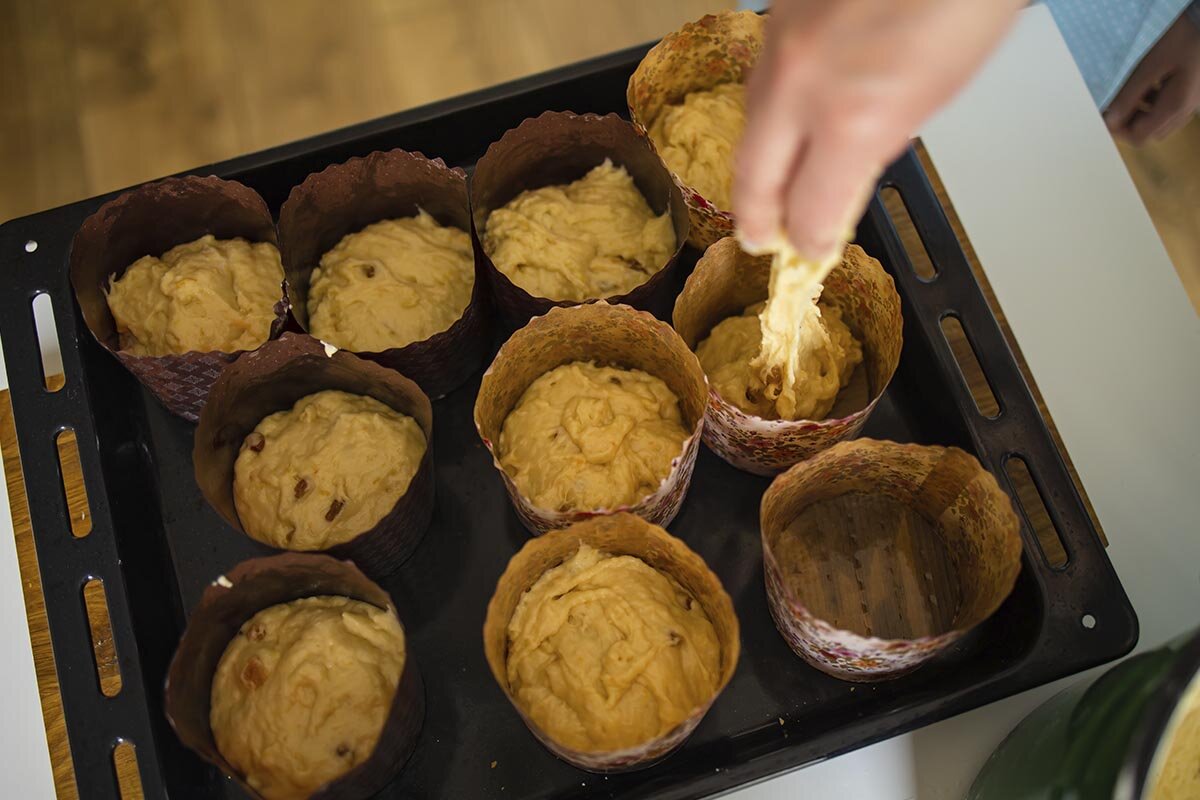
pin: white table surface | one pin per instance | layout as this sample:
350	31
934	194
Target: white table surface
1073	257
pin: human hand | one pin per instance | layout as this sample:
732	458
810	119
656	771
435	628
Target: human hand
835	96
1164	91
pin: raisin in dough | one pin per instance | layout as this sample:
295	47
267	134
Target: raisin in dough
393	283
605	652
302	691
324	471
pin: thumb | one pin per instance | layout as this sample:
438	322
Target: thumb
765	157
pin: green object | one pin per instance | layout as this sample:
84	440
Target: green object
1097	741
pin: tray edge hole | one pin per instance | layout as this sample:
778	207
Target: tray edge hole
910	237
1033	506
969	368
1088	621
125	765
46	330
70	473
104	648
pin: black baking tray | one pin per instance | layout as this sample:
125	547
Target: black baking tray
156	544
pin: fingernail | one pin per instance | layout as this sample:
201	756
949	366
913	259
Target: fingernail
748	243
812	247
750	237
822	250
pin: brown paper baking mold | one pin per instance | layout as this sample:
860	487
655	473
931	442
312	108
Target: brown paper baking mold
620	534
345	198
963	511
725	281
718	48
556	148
149	220
610	335
272	379
237	596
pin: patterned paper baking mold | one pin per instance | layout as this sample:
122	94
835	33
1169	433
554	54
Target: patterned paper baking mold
718	48
232	599
345	198
620	534
948	487
150	220
556	148
614	335
272	379
727	280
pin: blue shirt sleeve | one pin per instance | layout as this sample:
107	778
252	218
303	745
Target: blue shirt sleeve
1109	38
